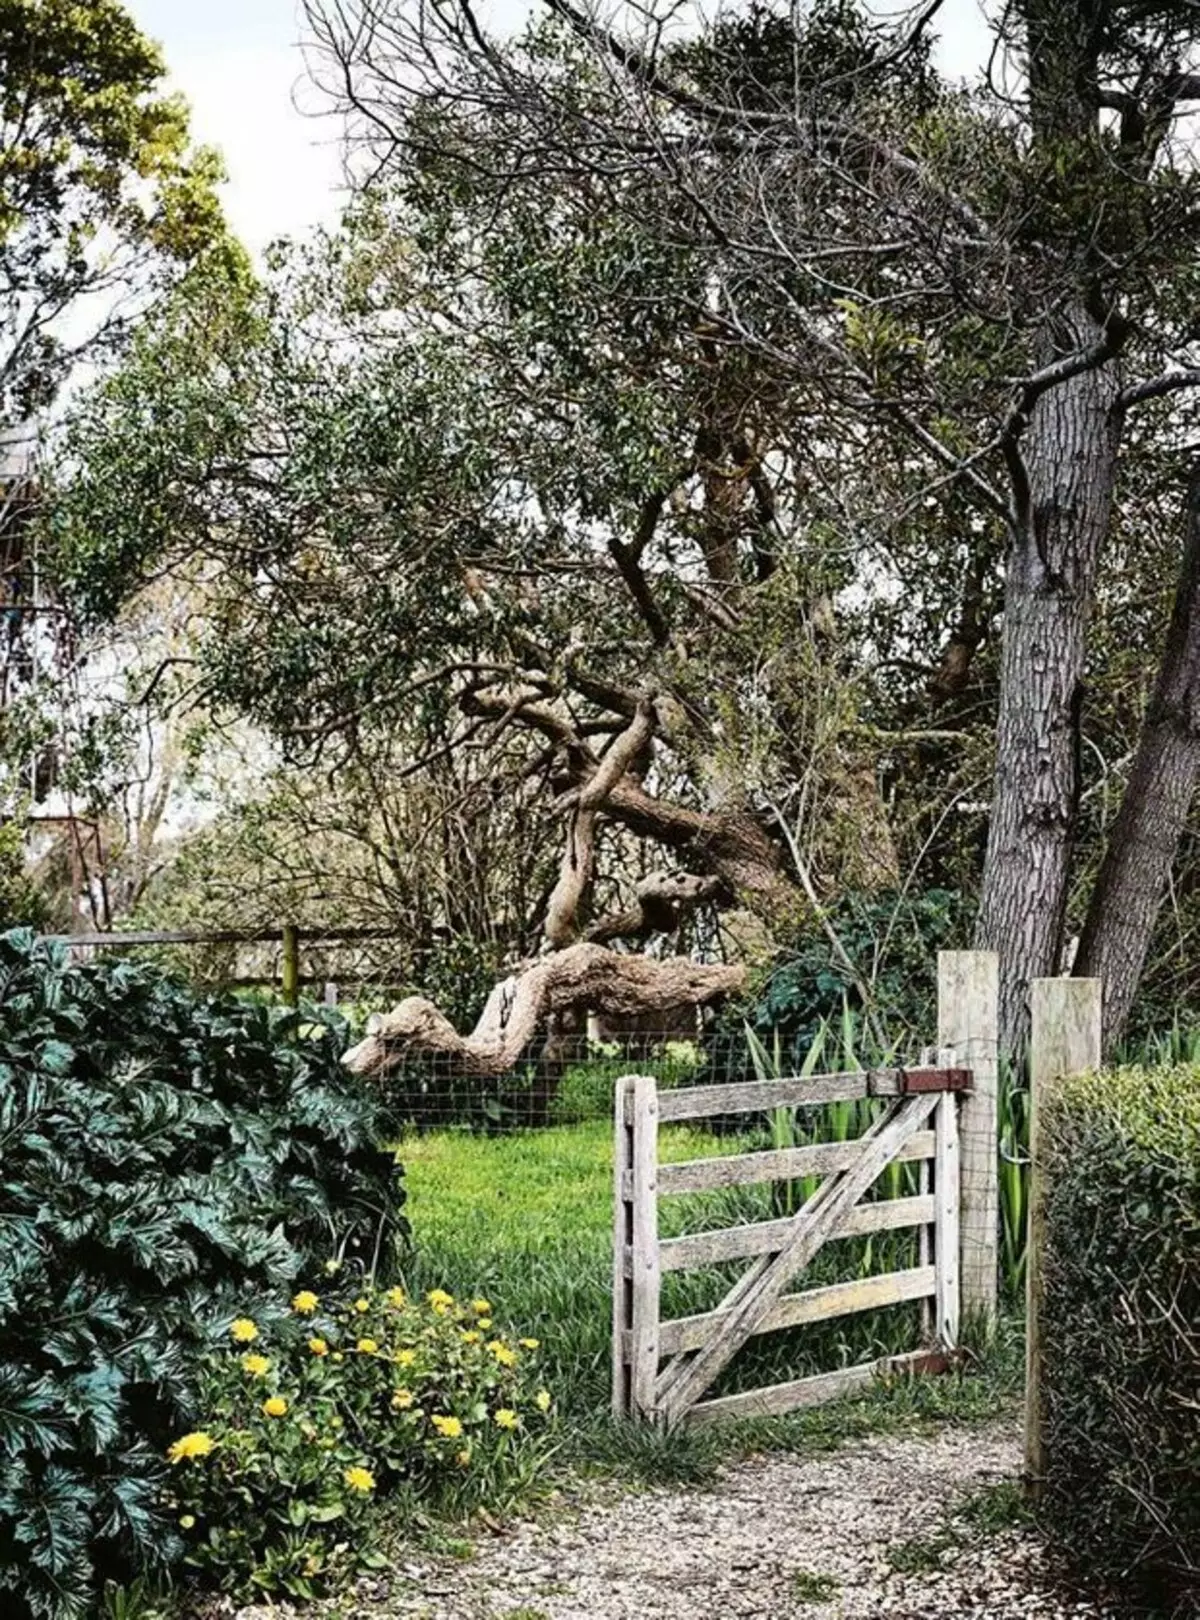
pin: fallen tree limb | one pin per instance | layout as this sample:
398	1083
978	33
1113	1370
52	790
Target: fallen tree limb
581	977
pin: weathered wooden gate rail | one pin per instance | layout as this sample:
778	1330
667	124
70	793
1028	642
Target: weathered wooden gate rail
919	1124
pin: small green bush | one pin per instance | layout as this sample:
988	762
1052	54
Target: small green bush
352	1396
1122	1331
165	1157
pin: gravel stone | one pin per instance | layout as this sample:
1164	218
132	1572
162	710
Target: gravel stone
776	1538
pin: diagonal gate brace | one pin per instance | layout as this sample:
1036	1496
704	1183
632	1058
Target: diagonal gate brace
817	1223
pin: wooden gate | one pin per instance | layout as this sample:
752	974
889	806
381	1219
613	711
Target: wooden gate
663	1369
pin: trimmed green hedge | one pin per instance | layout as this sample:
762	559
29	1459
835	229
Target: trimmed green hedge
165	1159
1122	1332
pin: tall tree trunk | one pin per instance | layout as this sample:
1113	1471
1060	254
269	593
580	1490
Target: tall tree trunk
1063	469
1162	784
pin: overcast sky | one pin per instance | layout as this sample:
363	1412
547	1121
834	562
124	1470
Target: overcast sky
239	64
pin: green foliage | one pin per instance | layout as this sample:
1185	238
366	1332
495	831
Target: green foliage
351	1397
98	186
1122	1331
22	903
164	1157
893	941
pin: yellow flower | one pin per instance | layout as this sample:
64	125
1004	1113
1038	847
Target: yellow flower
505	1356
402	1399
481	1307
305	1302
359	1479
188	1522
485	1322
244	1330
197	1444
332	1267
275	1406
366	1347
362	1306
405	1358
449	1427
256	1366
542	1400
396	1298
338	1356
506	1419
463	1459
440	1300
472	1338
528	1344
318	1347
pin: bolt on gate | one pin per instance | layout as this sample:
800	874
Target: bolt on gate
941	1118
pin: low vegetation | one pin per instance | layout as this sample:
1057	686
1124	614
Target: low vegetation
1122	1332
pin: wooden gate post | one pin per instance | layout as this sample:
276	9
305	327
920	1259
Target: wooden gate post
622	1325
968	1036
645	1267
1065	1040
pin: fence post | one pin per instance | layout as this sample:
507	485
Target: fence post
291	964
622	1325
1065	1039
947	1192
968	1038
643	1357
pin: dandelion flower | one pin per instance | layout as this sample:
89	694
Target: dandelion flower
463	1459
360	1479
305	1302
243	1330
255	1365
362	1306
440	1300
188	1522
542	1400
505	1356
481	1307
338	1356
405	1358
275	1406
529	1344
367	1347
506	1418
396	1298
318	1347
402	1399
448	1427
197	1444
485	1322
472	1338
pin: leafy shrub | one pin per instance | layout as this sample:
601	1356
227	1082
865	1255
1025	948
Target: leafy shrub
893	941
1122	1331
310	1419
587	1088
164	1156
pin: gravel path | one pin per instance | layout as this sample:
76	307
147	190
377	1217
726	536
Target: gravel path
870	1532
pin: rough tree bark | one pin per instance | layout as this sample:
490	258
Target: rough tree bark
1162	785
575	979
1063	467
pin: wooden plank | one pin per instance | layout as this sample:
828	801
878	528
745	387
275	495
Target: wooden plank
643	1360
925	1243
817	1221
968	1033
1065	1039
766	1237
761	1096
779	1164
775	1399
622	1306
946	1174
814	1305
